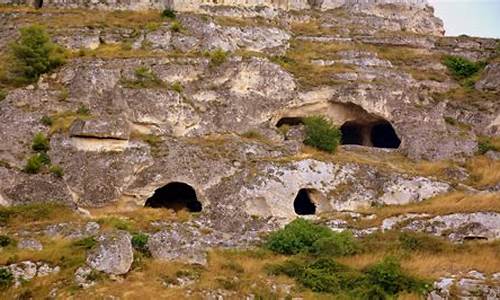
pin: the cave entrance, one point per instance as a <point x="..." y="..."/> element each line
<point x="379" y="134"/>
<point x="38" y="4"/>
<point x="177" y="196"/>
<point x="384" y="136"/>
<point x="303" y="204"/>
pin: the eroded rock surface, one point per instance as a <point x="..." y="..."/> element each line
<point x="113" y="254"/>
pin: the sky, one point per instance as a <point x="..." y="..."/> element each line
<point x="471" y="17"/>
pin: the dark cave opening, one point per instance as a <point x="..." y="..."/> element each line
<point x="290" y="121"/>
<point x="352" y="133"/>
<point x="384" y="136"/>
<point x="38" y="4"/>
<point x="303" y="205"/>
<point x="378" y="134"/>
<point x="177" y="196"/>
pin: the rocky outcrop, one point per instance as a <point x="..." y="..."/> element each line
<point x="113" y="254"/>
<point x="472" y="285"/>
<point x="491" y="79"/>
<point x="27" y="270"/>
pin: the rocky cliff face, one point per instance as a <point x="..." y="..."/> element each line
<point x="214" y="99"/>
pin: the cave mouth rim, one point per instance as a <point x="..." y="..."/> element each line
<point x="175" y="195"/>
<point x="290" y="121"/>
<point x="303" y="203"/>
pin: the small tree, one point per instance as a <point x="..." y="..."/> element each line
<point x="33" y="55"/>
<point x="321" y="133"/>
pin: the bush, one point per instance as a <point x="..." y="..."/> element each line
<point x="389" y="276"/>
<point x="168" y="13"/>
<point x="5" y="241"/>
<point x="298" y="236"/>
<point x="420" y="242"/>
<point x="33" y="55"/>
<point x="218" y="57"/>
<point x="40" y="143"/>
<point x="6" y="278"/>
<point x="47" y="121"/>
<point x="461" y="67"/>
<point x="484" y="145"/>
<point x="140" y="241"/>
<point x="320" y="133"/>
<point x="36" y="162"/>
<point x="339" y="244"/>
<point x="177" y="87"/>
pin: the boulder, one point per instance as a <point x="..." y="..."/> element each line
<point x="491" y="78"/>
<point x="30" y="244"/>
<point x="113" y="254"/>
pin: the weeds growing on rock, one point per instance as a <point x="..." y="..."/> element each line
<point x="218" y="57"/>
<point x="139" y="242"/>
<point x="40" y="143"/>
<point x="168" y="13"/>
<point x="35" y="163"/>
<point x="462" y="68"/>
<point x="6" y="278"/>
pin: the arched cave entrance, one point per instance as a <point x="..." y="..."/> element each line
<point x="384" y="136"/>
<point x="38" y="4"/>
<point x="303" y="204"/>
<point x="176" y="196"/>
<point x="379" y="134"/>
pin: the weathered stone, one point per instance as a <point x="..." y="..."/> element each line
<point x="113" y="254"/>
<point x="491" y="79"/>
<point x="83" y="277"/>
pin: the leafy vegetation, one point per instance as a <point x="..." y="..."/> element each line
<point x="56" y="171"/>
<point x="320" y="133"/>
<point x="3" y="94"/>
<point x="462" y="68"/>
<point x="485" y="144"/>
<point x="139" y="242"/>
<point x="6" y="278"/>
<point x="5" y="241"/>
<point x="303" y="236"/>
<point x="144" y="78"/>
<point x="33" y="55"/>
<point x="176" y="26"/>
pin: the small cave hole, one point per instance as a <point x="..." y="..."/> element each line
<point x="177" y="196"/>
<point x="384" y="136"/>
<point x="38" y="4"/>
<point x="303" y="205"/>
<point x="352" y="133"/>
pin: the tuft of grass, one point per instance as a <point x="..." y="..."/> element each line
<point x="15" y="216"/>
<point x="61" y="122"/>
<point x="56" y="171"/>
<point x="484" y="171"/>
<point x="47" y="121"/>
<point x="177" y="87"/>
<point x="176" y="26"/>
<point x="139" y="242"/>
<point x="40" y="143"/>
<point x="144" y="78"/>
<point x="486" y="144"/>
<point x="35" y="163"/>
<point x="87" y="243"/>
<point x="217" y="57"/>
<point x="3" y="94"/>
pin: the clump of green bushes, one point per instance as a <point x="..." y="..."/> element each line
<point x="40" y="144"/>
<point x="6" y="278"/>
<point x="6" y="241"/>
<point x="32" y="55"/>
<point x="303" y="236"/>
<point x="462" y="68"/>
<point x="383" y="280"/>
<point x="217" y="57"/>
<point x="140" y="243"/>
<point x="321" y="133"/>
<point x="168" y="13"/>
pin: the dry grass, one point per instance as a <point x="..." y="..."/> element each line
<point x="455" y="202"/>
<point x="61" y="122"/>
<point x="484" y="171"/>
<point x="60" y="19"/>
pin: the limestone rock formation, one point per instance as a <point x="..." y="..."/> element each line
<point x="113" y="254"/>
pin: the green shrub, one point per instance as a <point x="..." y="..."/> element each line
<point x="339" y="244"/>
<point x="5" y="241"/>
<point x="320" y="133"/>
<point x="297" y="236"/>
<point x="36" y="162"/>
<point x="144" y="78"/>
<point x="6" y="278"/>
<point x="218" y="57"/>
<point x="389" y="276"/>
<point x="140" y="241"/>
<point x="33" y="55"/>
<point x="83" y="110"/>
<point x="57" y="171"/>
<point x="40" y="143"/>
<point x="3" y="94"/>
<point x="168" y="13"/>
<point x="461" y="67"/>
